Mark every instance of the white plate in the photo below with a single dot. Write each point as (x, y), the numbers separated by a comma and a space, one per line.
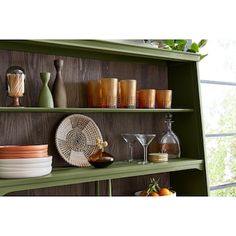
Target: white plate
(25, 174)
(26, 160)
(10, 168)
(25, 165)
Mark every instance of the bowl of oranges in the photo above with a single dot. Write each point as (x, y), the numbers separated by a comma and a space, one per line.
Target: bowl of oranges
(154, 190)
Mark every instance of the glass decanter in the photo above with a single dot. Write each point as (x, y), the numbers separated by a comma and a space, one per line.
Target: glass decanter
(169, 142)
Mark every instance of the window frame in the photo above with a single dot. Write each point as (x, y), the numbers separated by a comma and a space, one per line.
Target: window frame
(216, 135)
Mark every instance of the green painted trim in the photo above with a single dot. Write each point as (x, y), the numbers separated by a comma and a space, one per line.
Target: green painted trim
(120, 169)
(201, 130)
(109, 188)
(87, 110)
(80, 47)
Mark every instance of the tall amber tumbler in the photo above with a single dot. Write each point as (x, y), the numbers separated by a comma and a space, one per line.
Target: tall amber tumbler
(128, 93)
(147, 98)
(94, 93)
(109, 87)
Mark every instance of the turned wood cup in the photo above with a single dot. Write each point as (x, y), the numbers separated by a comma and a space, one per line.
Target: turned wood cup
(163, 98)
(128, 93)
(147, 98)
(109, 92)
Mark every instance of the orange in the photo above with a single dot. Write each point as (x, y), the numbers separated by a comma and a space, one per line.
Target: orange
(143, 193)
(164, 192)
(154, 194)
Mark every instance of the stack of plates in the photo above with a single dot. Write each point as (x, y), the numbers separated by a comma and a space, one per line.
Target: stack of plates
(24, 161)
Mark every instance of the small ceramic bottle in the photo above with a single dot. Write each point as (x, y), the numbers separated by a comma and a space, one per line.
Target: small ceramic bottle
(45, 96)
(58, 89)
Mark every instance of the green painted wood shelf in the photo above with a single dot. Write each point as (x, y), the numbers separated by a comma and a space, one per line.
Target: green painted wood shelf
(87, 110)
(120, 169)
(97, 49)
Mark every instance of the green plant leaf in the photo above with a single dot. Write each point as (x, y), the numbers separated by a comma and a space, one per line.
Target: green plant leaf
(194, 47)
(169, 42)
(181, 41)
(202, 43)
(191, 50)
(180, 47)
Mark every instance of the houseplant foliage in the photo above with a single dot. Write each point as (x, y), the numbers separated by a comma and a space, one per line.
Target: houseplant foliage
(180, 45)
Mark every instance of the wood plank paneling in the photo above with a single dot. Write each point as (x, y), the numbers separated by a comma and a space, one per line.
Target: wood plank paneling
(35, 128)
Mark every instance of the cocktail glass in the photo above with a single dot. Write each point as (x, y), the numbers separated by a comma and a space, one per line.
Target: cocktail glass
(130, 139)
(145, 140)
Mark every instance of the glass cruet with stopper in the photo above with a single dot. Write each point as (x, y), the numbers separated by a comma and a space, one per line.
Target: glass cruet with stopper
(169, 143)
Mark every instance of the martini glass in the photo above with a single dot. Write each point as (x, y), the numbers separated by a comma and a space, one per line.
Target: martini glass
(130, 139)
(145, 140)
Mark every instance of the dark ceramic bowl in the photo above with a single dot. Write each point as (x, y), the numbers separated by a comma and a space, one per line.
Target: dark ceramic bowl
(101, 162)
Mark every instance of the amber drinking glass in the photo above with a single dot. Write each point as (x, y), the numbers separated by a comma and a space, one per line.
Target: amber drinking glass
(147, 98)
(109, 89)
(163, 98)
(94, 93)
(128, 93)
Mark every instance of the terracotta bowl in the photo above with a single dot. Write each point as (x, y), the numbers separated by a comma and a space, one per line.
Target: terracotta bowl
(23, 151)
(22, 155)
(23, 148)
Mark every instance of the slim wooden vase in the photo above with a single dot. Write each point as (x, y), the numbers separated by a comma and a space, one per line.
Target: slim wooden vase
(58, 89)
(45, 96)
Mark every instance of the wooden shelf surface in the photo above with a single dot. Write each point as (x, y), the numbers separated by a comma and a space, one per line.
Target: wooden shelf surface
(74, 175)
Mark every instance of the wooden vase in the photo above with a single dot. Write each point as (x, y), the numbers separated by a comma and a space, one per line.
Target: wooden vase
(58, 89)
(45, 96)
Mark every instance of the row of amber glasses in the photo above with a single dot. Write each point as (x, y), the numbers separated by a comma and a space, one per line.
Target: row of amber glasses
(152, 98)
(111, 93)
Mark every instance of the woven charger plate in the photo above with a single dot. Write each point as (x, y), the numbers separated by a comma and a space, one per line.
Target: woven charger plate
(76, 139)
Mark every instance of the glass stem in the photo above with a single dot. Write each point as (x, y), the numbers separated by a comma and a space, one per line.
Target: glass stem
(145, 147)
(131, 153)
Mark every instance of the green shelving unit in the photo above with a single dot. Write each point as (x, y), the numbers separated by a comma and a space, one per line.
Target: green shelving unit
(188, 176)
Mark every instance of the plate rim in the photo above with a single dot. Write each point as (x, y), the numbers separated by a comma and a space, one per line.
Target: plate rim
(27, 160)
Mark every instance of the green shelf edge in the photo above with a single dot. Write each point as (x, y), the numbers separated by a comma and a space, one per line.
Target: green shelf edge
(87, 110)
(74, 175)
(78, 47)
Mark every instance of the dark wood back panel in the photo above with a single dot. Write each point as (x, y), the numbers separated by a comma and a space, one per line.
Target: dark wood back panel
(36, 128)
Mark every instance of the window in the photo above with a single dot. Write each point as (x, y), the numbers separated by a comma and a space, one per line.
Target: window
(218, 90)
